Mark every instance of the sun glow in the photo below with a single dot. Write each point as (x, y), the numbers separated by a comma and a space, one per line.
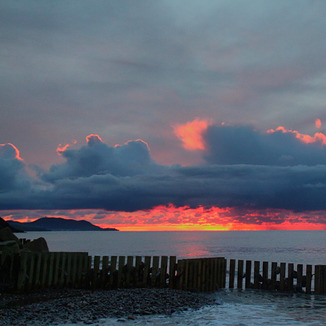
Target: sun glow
(171, 218)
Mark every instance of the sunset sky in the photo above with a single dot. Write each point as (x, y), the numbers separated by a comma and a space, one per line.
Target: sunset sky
(164, 115)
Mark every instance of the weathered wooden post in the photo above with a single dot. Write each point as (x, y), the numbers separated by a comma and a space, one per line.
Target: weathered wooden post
(231, 273)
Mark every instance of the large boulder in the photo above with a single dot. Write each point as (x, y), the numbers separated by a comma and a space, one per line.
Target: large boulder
(9, 243)
(7, 235)
(9, 247)
(4, 224)
(37, 245)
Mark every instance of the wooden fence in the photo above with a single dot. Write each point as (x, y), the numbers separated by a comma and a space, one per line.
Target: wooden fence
(27, 271)
(274, 276)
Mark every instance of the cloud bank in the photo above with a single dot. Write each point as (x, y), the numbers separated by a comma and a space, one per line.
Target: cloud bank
(244, 169)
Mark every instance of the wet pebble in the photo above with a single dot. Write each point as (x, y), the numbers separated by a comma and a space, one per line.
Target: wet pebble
(83, 306)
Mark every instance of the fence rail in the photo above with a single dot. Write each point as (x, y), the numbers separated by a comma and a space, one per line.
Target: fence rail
(28, 271)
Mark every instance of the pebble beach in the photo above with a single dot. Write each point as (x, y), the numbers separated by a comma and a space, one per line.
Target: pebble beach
(57, 307)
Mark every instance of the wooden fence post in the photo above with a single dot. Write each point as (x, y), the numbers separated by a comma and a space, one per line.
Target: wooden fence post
(240, 274)
(156, 260)
(44, 268)
(257, 274)
(273, 276)
(50, 270)
(180, 274)
(299, 277)
(290, 276)
(57, 260)
(22, 272)
(104, 271)
(128, 271)
(147, 267)
(31, 276)
(232, 273)
(121, 277)
(282, 276)
(139, 272)
(265, 275)
(223, 282)
(68, 270)
(308, 278)
(172, 270)
(248, 274)
(164, 265)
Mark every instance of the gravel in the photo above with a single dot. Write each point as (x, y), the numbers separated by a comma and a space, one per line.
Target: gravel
(55, 307)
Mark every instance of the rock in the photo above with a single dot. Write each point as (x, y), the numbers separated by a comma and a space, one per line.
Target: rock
(9, 247)
(37, 245)
(6, 234)
(4, 224)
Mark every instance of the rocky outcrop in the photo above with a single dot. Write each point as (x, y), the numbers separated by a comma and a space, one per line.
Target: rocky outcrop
(7, 235)
(37, 245)
(9, 243)
(4, 224)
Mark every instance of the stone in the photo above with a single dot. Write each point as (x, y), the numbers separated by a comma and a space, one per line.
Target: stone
(6, 235)
(37, 245)
(9, 247)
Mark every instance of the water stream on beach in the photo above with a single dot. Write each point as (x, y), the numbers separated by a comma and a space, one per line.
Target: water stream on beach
(242, 308)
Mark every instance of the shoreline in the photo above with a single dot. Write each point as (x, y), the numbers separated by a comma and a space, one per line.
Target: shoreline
(55, 307)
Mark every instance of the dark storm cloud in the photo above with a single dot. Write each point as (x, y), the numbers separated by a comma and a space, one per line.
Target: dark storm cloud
(14, 180)
(243, 145)
(98, 158)
(12, 174)
(97, 176)
(245, 186)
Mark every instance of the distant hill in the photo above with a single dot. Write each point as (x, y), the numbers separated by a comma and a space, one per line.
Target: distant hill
(57, 224)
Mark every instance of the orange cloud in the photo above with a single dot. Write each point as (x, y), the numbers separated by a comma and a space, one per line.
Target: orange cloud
(10, 150)
(318, 137)
(318, 123)
(191, 134)
(93, 138)
(137, 140)
(62, 148)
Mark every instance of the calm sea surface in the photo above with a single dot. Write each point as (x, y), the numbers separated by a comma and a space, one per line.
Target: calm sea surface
(305, 247)
(244, 308)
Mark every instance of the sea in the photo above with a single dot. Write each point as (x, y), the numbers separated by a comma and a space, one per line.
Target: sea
(234, 307)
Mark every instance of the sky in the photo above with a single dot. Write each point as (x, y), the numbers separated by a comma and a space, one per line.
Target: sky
(164, 115)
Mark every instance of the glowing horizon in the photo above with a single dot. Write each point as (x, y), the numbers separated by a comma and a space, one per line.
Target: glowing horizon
(170, 218)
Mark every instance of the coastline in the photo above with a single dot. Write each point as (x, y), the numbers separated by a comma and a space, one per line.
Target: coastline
(55, 307)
